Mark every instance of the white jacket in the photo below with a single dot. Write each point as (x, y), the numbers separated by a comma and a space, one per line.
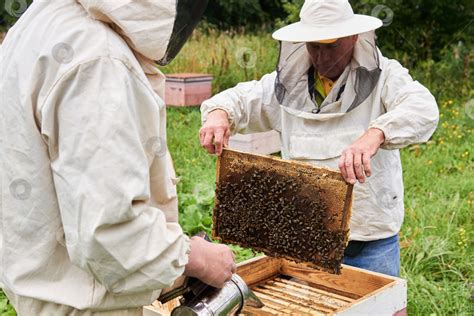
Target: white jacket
(88, 196)
(402, 108)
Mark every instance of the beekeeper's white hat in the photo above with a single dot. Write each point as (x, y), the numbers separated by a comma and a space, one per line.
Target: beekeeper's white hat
(326, 21)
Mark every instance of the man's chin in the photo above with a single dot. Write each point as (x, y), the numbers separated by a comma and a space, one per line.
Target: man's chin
(328, 74)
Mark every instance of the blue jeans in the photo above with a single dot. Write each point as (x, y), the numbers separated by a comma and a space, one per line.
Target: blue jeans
(381, 256)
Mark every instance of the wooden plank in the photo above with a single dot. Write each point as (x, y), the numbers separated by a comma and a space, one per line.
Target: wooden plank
(275, 303)
(258, 269)
(287, 307)
(339, 298)
(295, 298)
(351, 282)
(323, 300)
(249, 310)
(150, 310)
(215, 222)
(388, 300)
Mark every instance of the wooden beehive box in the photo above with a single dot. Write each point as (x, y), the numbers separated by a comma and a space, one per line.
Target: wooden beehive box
(289, 288)
(187, 89)
(258, 143)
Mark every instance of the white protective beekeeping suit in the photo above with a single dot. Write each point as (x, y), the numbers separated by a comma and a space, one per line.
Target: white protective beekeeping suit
(373, 91)
(88, 190)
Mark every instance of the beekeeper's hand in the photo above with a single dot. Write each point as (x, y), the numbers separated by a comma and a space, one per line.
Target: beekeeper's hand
(211, 263)
(215, 133)
(355, 160)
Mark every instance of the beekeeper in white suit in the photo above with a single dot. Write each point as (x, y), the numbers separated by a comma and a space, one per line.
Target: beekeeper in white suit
(88, 205)
(339, 103)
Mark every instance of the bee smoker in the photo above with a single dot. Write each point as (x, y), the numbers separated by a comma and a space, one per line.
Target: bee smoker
(201, 299)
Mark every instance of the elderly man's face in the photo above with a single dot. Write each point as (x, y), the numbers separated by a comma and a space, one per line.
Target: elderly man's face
(331, 59)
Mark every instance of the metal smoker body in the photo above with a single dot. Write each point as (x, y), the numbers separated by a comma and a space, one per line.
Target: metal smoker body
(200, 299)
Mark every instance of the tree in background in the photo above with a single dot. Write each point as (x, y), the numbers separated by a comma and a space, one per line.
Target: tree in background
(223, 14)
(413, 30)
(251, 14)
(11, 10)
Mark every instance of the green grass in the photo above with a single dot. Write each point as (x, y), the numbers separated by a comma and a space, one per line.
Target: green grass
(437, 254)
(438, 231)
(5, 308)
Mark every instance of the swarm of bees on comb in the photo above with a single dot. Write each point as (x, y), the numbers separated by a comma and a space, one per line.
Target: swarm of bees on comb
(272, 213)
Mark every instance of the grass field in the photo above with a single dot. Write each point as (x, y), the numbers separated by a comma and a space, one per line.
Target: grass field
(437, 253)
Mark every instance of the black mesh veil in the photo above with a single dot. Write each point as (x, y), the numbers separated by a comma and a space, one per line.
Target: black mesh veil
(188, 15)
(293, 63)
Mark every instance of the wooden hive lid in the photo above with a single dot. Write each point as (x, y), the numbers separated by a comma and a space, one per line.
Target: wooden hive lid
(252, 205)
(188, 77)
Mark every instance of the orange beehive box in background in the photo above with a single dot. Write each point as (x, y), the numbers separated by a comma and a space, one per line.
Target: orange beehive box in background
(187, 89)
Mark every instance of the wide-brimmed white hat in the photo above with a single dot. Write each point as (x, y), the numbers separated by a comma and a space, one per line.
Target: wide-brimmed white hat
(326, 20)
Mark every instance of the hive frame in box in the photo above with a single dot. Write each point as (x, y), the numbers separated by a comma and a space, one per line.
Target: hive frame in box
(359, 292)
(369, 292)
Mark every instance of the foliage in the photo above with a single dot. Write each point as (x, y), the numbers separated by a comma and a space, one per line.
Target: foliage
(194, 210)
(452, 75)
(421, 28)
(225, 14)
(5, 308)
(251, 14)
(292, 9)
(11, 10)
(413, 30)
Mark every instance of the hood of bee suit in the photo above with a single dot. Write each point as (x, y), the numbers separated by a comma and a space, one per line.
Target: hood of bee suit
(157, 29)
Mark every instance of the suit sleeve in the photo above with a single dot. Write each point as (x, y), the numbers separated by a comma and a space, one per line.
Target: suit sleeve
(251, 106)
(98, 121)
(412, 113)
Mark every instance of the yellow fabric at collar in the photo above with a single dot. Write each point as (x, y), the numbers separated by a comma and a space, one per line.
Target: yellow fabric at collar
(323, 85)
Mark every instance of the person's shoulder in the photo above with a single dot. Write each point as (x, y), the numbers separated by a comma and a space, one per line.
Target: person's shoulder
(389, 64)
(95, 39)
(82, 38)
(61, 33)
(58, 38)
